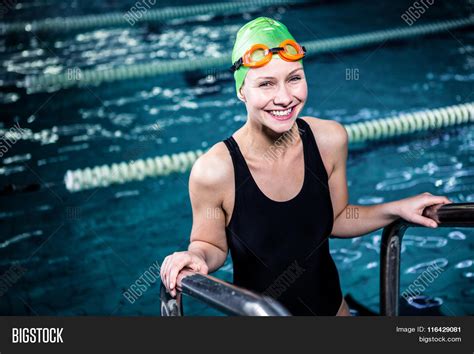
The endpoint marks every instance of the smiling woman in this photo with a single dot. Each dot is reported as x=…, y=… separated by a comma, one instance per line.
x=274, y=213
x=267, y=37
x=284, y=107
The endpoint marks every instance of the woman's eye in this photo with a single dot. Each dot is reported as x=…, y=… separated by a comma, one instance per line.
x=268, y=83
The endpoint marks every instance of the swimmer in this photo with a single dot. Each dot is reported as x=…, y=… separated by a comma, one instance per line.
x=275, y=191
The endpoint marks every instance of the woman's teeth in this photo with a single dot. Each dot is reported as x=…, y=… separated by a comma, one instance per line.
x=282, y=113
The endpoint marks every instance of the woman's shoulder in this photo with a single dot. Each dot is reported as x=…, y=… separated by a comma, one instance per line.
x=331, y=138
x=326, y=127
x=213, y=168
x=328, y=133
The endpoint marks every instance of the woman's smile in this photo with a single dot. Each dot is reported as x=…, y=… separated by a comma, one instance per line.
x=282, y=114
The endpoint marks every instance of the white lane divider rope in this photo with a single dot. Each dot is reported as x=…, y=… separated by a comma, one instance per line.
x=378, y=129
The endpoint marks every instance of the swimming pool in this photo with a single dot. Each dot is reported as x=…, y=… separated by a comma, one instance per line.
x=81, y=251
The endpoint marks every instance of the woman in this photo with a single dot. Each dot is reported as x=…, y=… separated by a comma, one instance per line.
x=275, y=191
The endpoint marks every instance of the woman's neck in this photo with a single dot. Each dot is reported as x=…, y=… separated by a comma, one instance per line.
x=260, y=140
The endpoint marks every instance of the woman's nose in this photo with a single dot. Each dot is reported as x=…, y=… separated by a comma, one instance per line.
x=283, y=96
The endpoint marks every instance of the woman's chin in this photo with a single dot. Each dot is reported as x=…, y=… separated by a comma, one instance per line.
x=280, y=124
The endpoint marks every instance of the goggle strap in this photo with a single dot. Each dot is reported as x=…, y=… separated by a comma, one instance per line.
x=276, y=49
x=236, y=65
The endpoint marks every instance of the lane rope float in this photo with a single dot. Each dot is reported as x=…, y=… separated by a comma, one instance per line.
x=378, y=129
x=92, y=77
x=87, y=22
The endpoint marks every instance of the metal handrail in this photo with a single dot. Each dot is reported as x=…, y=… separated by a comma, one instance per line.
x=234, y=300
x=220, y=295
x=446, y=215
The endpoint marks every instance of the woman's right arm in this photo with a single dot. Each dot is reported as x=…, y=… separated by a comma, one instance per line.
x=207, y=250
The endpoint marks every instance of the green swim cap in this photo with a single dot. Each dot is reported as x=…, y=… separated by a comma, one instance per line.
x=262, y=30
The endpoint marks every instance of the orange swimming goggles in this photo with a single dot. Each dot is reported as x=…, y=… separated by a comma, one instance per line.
x=259, y=54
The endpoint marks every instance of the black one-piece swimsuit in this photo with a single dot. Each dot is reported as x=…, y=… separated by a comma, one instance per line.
x=281, y=249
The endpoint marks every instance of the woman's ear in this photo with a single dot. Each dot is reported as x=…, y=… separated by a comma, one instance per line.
x=241, y=96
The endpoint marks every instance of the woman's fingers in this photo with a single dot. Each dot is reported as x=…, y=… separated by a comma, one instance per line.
x=182, y=270
x=163, y=272
x=173, y=264
x=441, y=200
x=167, y=264
x=421, y=220
x=177, y=265
x=447, y=200
x=436, y=199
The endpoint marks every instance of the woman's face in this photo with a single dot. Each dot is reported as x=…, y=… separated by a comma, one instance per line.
x=275, y=94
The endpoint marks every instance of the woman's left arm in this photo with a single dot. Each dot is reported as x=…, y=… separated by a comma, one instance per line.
x=358, y=220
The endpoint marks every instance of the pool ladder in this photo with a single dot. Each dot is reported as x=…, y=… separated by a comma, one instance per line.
x=220, y=295
x=446, y=215
x=234, y=300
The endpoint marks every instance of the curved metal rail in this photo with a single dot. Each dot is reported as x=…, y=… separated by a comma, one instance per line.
x=447, y=215
x=234, y=300
x=220, y=295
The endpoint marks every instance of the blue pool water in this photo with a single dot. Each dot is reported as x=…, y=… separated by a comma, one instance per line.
x=80, y=251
